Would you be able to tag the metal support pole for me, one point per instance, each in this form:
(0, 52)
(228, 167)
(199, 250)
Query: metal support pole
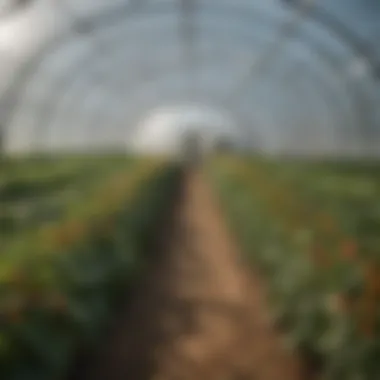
(187, 33)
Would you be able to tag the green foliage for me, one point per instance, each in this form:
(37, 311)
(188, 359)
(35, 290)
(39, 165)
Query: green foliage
(60, 286)
(312, 229)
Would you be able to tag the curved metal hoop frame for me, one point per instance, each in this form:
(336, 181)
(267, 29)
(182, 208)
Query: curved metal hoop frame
(348, 104)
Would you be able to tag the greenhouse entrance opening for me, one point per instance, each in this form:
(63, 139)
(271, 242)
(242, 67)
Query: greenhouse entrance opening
(186, 131)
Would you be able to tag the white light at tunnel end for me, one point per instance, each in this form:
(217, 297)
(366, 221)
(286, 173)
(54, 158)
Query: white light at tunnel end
(162, 130)
(359, 68)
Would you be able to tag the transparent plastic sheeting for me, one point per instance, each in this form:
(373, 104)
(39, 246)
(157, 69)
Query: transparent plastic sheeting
(100, 70)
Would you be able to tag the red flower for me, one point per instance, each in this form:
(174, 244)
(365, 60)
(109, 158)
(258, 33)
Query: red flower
(367, 316)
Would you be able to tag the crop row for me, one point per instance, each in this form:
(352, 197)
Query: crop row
(30, 198)
(60, 283)
(312, 229)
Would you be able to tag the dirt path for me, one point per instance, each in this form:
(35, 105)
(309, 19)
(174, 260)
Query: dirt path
(199, 316)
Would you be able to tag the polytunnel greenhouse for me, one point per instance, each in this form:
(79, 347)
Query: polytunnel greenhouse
(189, 189)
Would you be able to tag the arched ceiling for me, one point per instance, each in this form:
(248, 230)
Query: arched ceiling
(102, 68)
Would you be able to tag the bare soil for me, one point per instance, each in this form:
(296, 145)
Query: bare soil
(200, 314)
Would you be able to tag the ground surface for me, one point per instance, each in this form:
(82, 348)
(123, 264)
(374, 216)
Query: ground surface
(199, 315)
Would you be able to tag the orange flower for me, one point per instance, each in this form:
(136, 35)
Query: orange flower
(367, 328)
(15, 316)
(349, 249)
(69, 233)
(367, 316)
(15, 310)
(372, 273)
(60, 238)
(338, 303)
(58, 303)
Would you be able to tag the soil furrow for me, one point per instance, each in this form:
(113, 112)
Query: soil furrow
(199, 315)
